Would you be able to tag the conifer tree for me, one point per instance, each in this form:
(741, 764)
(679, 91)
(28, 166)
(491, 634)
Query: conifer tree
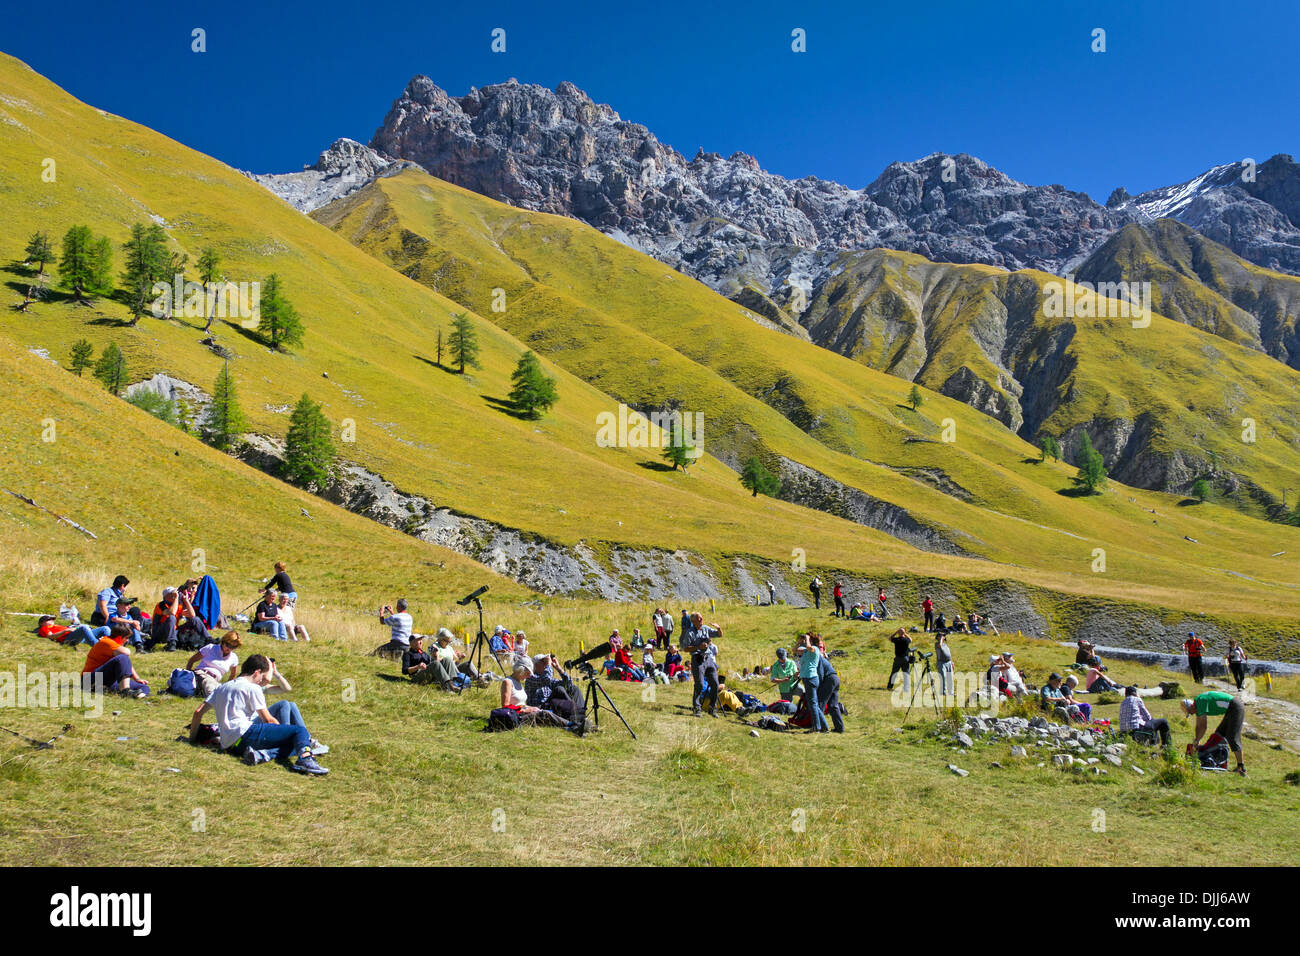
(534, 391)
(308, 448)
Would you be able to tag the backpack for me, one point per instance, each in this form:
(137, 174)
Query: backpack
(503, 718)
(771, 722)
(786, 707)
(1213, 754)
(750, 701)
(181, 683)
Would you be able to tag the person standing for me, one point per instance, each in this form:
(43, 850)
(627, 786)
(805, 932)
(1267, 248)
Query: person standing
(884, 603)
(771, 594)
(816, 588)
(837, 591)
(902, 659)
(1195, 648)
(698, 639)
(1237, 661)
(809, 657)
(943, 663)
(928, 607)
(1234, 717)
(828, 691)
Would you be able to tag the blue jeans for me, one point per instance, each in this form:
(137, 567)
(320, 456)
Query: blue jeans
(84, 634)
(814, 707)
(275, 628)
(289, 736)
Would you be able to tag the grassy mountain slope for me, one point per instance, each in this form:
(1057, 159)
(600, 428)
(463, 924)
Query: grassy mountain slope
(1198, 281)
(371, 332)
(984, 336)
(589, 303)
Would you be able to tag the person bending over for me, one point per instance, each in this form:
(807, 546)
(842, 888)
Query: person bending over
(245, 724)
(1234, 716)
(785, 674)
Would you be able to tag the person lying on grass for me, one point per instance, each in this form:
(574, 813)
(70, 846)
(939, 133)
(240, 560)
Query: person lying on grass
(69, 635)
(213, 663)
(109, 665)
(245, 724)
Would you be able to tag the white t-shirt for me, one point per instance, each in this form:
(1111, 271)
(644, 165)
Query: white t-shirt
(236, 704)
(286, 617)
(214, 662)
(401, 624)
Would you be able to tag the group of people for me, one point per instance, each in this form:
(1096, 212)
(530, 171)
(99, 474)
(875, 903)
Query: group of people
(859, 612)
(1194, 647)
(275, 613)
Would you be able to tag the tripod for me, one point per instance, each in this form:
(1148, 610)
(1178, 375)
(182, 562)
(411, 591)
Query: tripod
(480, 641)
(592, 701)
(934, 697)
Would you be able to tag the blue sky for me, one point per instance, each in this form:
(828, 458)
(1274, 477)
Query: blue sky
(1181, 86)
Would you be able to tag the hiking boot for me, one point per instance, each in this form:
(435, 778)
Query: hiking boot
(307, 764)
(697, 712)
(249, 757)
(1240, 769)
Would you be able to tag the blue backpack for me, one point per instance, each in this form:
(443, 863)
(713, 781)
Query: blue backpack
(181, 683)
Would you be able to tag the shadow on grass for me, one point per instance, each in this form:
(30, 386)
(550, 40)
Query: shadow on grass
(393, 678)
(251, 334)
(1189, 502)
(1077, 493)
(1031, 461)
(655, 466)
(437, 365)
(507, 406)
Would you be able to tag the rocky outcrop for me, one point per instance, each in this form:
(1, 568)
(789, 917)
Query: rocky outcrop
(339, 171)
(804, 486)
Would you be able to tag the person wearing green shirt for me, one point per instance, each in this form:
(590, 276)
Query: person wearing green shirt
(784, 674)
(1234, 716)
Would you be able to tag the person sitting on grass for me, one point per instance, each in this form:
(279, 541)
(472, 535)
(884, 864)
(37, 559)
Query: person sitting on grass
(549, 688)
(416, 660)
(1097, 681)
(401, 624)
(958, 626)
(638, 641)
(212, 663)
(784, 674)
(627, 670)
(1086, 652)
(69, 635)
(289, 617)
(266, 619)
(673, 662)
(1067, 695)
(1234, 716)
(1134, 716)
(108, 665)
(246, 725)
(1015, 683)
(166, 622)
(1053, 699)
(501, 642)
